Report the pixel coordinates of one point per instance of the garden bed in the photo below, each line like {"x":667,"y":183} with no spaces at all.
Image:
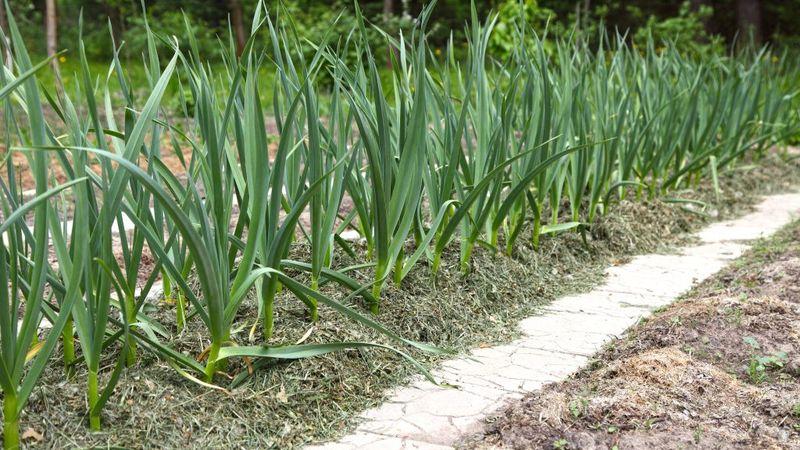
{"x":287,"y":405}
{"x":401,"y":216}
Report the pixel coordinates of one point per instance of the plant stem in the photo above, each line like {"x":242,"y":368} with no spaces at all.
{"x":180,"y":304}
{"x":68,"y":341}
{"x":269,"y":320}
{"x":211,"y":365}
{"x":328,"y":255}
{"x":268,"y":298}
{"x":513,"y":229}
{"x":171,"y":294}
{"x":494,"y":237}
{"x":10,"y":422}
{"x":537,"y":227}
{"x":130,"y":306}
{"x":377,"y":287}
{"x":94,"y":416}
{"x":167,"y":287}
{"x":313,"y":311}
{"x":398,"y":271}
{"x":465,"y":255}
{"x":437,"y":260}
{"x":374,"y":307}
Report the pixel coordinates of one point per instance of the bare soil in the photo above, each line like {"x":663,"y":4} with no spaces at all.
{"x":719,"y":369}
{"x":176,"y":163}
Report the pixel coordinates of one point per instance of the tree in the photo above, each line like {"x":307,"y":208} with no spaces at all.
{"x":748,"y":17}
{"x":388,"y":10}
{"x":51,"y":27}
{"x":6,"y":44}
{"x":237,"y":22}
{"x":698,"y":6}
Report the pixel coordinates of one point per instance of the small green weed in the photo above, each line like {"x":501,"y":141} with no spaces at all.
{"x":759,"y":365}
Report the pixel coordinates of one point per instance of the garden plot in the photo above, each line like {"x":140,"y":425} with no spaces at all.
{"x":477,"y":192}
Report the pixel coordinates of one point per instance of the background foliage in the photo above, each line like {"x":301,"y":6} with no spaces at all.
{"x":700,"y":26}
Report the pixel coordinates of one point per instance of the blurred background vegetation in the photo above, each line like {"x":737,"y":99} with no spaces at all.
{"x":698,"y":26}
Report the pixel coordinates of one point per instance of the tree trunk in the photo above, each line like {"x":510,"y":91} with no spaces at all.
{"x":237,"y":22}
{"x":388,"y":10}
{"x":697,"y":6}
{"x":51,"y":28}
{"x":6,"y":44}
{"x":582,"y":13}
{"x":748,"y":14}
{"x":117,"y":26}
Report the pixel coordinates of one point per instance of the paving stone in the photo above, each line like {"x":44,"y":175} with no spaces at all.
{"x":667,"y":263}
{"x":449,"y":403}
{"x":502,"y":385}
{"x":770,"y":215}
{"x":604,"y":302}
{"x":412,"y":392}
{"x":370,"y":441}
{"x":493,"y":352}
{"x":570,"y":343}
{"x":533,"y":385}
{"x":468,"y":426}
{"x":395,"y":427}
{"x":350,"y":442}
{"x":543,"y":365}
{"x":488,"y":384}
{"x":595,"y":302}
{"x":387,"y":411}
{"x":350,"y":235}
{"x":410,"y":444}
{"x":436,"y":429}
{"x":562,"y":324}
{"x":418,"y":426}
{"x":725,"y":251}
{"x":654,"y":281}
{"x":473,"y":365}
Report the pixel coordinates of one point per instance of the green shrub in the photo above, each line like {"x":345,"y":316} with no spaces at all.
{"x":686,"y":32}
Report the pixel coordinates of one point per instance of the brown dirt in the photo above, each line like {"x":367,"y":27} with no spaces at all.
{"x":719,"y":369}
{"x":169,"y":157}
{"x":20,"y":162}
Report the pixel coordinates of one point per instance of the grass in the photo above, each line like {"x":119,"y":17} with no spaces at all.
{"x":531,"y":146}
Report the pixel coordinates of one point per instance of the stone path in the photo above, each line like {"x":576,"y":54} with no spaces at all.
{"x":556,"y":343}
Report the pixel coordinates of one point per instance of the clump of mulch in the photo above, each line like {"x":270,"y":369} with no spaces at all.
{"x":719,"y":369}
